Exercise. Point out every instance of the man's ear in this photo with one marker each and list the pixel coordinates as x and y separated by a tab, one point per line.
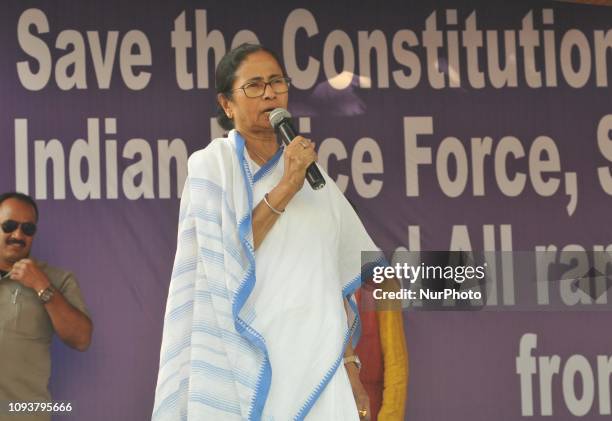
224	102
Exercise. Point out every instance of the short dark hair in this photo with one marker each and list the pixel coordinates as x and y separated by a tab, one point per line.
22	197
225	75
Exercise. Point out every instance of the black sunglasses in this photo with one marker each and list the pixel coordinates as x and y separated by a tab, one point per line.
28	228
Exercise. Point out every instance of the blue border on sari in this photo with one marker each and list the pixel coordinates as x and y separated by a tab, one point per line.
354	332
268	166
247	284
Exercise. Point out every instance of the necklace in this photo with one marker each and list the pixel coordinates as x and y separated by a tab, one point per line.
263	160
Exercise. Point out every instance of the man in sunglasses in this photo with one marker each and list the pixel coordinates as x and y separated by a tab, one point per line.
36	301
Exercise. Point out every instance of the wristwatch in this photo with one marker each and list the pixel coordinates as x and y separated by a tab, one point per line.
353	359
45	295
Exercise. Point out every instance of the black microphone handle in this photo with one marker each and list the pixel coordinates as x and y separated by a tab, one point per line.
313	175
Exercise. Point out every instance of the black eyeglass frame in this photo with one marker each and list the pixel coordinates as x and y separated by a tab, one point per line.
10	225
265	85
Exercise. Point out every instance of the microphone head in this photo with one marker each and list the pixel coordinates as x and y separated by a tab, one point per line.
277	115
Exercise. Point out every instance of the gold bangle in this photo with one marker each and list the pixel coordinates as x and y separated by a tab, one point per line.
272	208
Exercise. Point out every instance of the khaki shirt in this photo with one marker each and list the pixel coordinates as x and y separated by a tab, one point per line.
25	338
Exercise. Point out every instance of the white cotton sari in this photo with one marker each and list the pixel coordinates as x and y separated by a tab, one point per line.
259	334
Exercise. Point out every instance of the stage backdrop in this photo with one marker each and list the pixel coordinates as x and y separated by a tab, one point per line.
450	124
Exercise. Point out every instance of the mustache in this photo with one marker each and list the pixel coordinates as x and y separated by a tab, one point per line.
15	241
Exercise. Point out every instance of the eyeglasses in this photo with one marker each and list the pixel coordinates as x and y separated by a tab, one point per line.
28	228
258	88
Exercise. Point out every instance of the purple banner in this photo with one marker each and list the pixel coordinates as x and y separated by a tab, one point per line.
473	125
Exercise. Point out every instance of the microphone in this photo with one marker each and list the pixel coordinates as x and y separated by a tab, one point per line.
281	121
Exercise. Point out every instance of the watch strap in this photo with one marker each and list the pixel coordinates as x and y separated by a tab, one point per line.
45	295
353	359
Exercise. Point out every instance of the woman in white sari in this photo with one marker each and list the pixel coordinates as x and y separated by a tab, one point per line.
260	311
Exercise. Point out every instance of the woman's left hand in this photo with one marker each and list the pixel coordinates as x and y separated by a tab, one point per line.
361	396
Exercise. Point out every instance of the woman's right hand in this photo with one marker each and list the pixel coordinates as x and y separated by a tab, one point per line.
299	154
